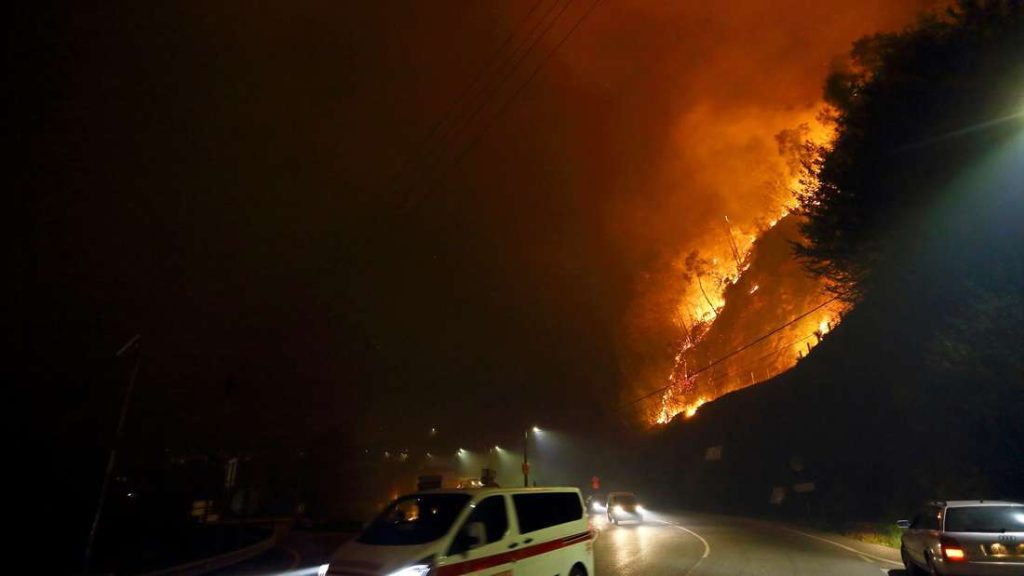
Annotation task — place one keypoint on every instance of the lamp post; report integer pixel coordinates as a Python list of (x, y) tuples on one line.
[(526, 458), (132, 345), (526, 454)]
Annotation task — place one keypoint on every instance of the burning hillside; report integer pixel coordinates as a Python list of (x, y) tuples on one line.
[(751, 313), (719, 302), (751, 327)]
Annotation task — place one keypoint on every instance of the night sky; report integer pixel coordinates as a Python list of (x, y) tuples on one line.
[(259, 193)]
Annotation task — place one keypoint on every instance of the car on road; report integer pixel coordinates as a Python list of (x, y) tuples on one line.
[(965, 537), (623, 506), (478, 531)]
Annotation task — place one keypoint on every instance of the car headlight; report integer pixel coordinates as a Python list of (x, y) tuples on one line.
[(322, 570), (641, 509), (617, 510), (414, 570)]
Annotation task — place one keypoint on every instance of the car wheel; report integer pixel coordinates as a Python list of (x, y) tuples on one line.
[(912, 569), (578, 570), (932, 571)]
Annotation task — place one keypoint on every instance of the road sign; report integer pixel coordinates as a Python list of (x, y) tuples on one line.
[(595, 483), (526, 467)]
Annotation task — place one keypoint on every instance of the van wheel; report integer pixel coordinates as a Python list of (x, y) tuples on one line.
[(578, 570)]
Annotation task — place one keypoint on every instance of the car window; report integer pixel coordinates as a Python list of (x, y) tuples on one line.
[(539, 511), (415, 520), (985, 519), (492, 514), (927, 519)]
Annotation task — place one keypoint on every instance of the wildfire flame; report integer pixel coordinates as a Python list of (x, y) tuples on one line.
[(710, 327)]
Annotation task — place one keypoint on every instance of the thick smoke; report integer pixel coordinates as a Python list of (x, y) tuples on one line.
[(714, 96)]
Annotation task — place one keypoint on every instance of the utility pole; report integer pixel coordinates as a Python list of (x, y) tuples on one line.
[(134, 343), (526, 458)]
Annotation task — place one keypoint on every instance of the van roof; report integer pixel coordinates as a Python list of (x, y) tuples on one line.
[(500, 490)]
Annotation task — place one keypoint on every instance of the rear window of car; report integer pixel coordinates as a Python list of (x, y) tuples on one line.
[(539, 511), (985, 519)]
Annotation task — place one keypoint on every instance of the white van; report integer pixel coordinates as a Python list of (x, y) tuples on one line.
[(482, 531)]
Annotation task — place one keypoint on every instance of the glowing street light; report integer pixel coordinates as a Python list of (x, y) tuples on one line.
[(526, 450)]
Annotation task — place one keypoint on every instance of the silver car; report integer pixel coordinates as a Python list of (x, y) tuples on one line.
[(968, 537), (623, 506)]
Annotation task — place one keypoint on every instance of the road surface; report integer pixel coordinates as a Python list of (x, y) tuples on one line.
[(702, 545), (681, 544)]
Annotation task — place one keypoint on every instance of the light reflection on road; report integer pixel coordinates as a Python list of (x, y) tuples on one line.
[(630, 543), (649, 548)]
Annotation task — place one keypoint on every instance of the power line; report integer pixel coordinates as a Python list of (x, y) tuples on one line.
[(504, 106), (756, 361), (481, 73), (450, 114), (507, 67), (746, 346), (523, 86), (519, 60)]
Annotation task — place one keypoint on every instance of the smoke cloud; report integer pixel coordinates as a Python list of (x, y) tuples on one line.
[(705, 96)]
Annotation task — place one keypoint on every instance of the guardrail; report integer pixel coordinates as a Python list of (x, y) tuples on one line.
[(209, 564)]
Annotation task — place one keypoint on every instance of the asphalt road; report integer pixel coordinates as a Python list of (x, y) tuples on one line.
[(702, 545), (681, 544)]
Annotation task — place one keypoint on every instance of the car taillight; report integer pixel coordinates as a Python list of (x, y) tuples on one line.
[(951, 550)]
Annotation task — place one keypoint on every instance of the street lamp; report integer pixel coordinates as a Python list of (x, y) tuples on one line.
[(526, 453)]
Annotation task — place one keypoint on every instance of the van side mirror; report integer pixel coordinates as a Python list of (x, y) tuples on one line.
[(903, 524), (472, 535), (476, 534)]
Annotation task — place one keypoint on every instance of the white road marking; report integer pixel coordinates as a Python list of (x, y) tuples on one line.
[(844, 547), (707, 547), (884, 571)]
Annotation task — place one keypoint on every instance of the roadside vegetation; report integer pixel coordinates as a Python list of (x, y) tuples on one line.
[(914, 215)]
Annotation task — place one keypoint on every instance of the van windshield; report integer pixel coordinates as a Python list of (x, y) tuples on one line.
[(416, 519)]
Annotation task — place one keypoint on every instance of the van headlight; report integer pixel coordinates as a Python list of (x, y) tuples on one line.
[(640, 508), (322, 570), (618, 510), (414, 570)]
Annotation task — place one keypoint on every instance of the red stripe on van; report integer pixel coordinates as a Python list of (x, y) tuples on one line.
[(513, 555)]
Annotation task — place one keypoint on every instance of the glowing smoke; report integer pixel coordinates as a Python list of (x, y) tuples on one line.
[(728, 91)]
